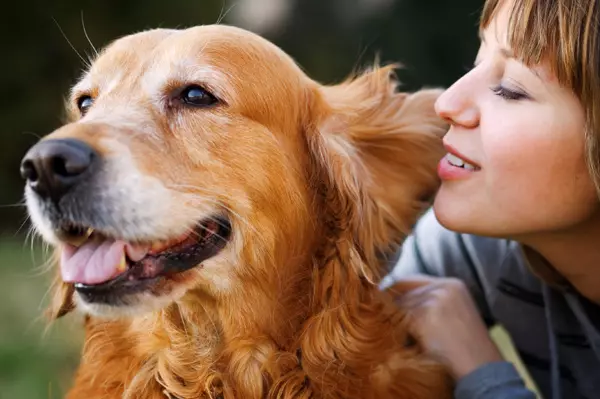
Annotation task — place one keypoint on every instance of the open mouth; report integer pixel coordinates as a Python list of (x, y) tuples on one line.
[(101, 267), (454, 160)]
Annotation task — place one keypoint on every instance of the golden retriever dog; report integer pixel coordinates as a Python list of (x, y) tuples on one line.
[(221, 219)]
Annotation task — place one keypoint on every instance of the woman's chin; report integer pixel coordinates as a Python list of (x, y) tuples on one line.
[(457, 214)]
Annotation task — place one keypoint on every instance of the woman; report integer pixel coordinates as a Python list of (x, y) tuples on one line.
[(514, 236)]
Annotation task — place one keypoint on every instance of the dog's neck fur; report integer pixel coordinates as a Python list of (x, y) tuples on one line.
[(195, 348), (330, 330)]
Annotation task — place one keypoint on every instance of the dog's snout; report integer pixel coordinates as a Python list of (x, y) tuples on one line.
[(53, 167)]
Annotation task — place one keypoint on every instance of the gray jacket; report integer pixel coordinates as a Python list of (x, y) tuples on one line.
[(555, 330)]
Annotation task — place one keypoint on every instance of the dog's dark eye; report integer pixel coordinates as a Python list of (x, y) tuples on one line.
[(198, 97), (84, 103)]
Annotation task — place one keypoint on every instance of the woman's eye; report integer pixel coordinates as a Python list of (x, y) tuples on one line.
[(198, 97), (508, 94), (84, 103)]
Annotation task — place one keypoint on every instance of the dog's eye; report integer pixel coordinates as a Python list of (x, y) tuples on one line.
[(84, 103), (196, 96)]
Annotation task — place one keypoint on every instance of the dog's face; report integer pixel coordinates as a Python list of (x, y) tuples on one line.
[(191, 163)]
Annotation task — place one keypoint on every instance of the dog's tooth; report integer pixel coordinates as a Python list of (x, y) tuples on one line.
[(157, 247), (75, 241), (78, 240), (160, 246), (122, 266)]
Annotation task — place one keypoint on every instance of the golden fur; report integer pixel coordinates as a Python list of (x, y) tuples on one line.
[(318, 181)]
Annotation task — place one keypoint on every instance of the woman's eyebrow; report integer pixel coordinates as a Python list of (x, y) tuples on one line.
[(508, 53)]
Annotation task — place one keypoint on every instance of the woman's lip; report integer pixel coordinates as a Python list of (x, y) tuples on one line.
[(455, 152)]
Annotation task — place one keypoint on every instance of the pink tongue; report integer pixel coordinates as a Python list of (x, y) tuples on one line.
[(96, 262)]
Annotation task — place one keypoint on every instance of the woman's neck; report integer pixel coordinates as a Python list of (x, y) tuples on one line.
[(575, 254)]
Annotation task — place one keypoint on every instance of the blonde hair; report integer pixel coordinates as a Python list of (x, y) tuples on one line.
[(565, 34)]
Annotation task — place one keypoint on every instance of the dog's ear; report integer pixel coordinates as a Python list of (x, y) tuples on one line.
[(374, 153), (61, 300), (377, 151)]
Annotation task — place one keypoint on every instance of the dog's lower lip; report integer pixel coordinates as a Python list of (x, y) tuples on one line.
[(143, 274)]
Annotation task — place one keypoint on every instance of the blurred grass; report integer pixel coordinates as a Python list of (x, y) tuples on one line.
[(35, 362), (38, 363)]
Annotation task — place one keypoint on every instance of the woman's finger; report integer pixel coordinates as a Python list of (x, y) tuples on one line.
[(411, 283)]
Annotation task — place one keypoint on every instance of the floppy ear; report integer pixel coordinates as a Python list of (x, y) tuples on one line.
[(61, 301), (377, 151), (373, 161)]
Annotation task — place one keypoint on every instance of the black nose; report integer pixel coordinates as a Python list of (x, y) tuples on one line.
[(53, 167)]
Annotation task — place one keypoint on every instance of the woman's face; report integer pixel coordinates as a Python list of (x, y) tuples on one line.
[(521, 136)]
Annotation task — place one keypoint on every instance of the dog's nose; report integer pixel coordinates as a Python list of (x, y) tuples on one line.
[(53, 167)]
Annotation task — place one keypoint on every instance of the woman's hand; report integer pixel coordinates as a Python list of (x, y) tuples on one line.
[(443, 318)]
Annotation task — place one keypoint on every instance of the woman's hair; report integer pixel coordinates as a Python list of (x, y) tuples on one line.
[(564, 33)]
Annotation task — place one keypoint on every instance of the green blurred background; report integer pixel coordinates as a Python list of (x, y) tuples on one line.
[(435, 40)]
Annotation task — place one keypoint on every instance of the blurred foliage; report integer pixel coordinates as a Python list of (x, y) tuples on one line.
[(433, 39), (36, 360)]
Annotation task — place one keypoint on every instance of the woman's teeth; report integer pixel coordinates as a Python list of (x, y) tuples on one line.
[(458, 162)]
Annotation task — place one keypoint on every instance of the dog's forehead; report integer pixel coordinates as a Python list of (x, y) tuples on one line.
[(128, 52), (118, 60), (220, 43), (234, 52)]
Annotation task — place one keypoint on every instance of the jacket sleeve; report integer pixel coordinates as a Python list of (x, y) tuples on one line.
[(498, 380)]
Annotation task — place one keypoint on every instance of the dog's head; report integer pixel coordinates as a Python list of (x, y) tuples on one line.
[(205, 160)]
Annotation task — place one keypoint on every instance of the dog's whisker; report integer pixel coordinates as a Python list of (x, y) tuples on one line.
[(43, 268), (87, 36), (17, 205), (37, 136), (222, 15), (218, 222), (28, 236), (85, 62), (46, 248), (238, 217), (47, 264), (204, 189), (183, 322), (46, 294), (22, 225), (195, 233)]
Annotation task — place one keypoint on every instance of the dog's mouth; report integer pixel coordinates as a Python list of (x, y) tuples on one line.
[(98, 265)]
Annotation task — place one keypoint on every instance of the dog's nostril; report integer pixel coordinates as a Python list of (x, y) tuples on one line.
[(58, 166), (28, 171), (65, 167), (53, 167)]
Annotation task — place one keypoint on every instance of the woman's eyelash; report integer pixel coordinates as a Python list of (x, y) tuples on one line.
[(508, 94)]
